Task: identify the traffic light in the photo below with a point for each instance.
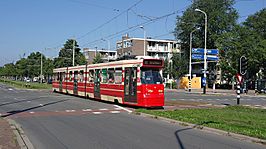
(243, 65)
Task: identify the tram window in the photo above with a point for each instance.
(57, 76)
(91, 76)
(70, 76)
(104, 75)
(111, 76)
(150, 76)
(81, 76)
(64, 76)
(76, 75)
(118, 76)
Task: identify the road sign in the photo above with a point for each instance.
(197, 56)
(201, 57)
(209, 51)
(212, 57)
(204, 81)
(239, 78)
(213, 51)
(198, 50)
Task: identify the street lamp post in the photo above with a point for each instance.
(205, 52)
(144, 44)
(190, 67)
(108, 41)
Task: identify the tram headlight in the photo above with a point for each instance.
(150, 91)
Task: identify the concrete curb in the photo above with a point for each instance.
(22, 139)
(206, 129)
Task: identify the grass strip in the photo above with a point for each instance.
(236, 119)
(21, 84)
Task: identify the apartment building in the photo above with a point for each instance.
(106, 55)
(147, 47)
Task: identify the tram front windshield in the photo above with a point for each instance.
(150, 76)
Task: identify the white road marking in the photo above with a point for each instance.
(257, 105)
(41, 105)
(0, 114)
(114, 111)
(70, 110)
(103, 109)
(28, 101)
(97, 112)
(10, 89)
(85, 110)
(117, 108)
(31, 112)
(123, 108)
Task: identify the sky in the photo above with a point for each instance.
(45, 25)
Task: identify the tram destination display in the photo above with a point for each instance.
(153, 62)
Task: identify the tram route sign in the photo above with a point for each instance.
(153, 62)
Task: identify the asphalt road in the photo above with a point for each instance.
(56, 121)
(217, 99)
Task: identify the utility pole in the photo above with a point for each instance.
(73, 52)
(41, 69)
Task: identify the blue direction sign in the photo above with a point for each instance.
(197, 56)
(201, 57)
(212, 57)
(197, 50)
(213, 51)
(209, 51)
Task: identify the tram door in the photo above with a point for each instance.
(97, 81)
(61, 82)
(130, 87)
(75, 89)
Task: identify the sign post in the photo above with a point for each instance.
(239, 81)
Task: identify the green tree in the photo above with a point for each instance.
(9, 70)
(180, 66)
(246, 39)
(22, 68)
(48, 66)
(97, 59)
(65, 58)
(221, 17)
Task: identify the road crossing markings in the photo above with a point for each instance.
(70, 110)
(86, 110)
(129, 111)
(31, 112)
(97, 112)
(103, 109)
(114, 111)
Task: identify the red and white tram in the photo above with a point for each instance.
(133, 82)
